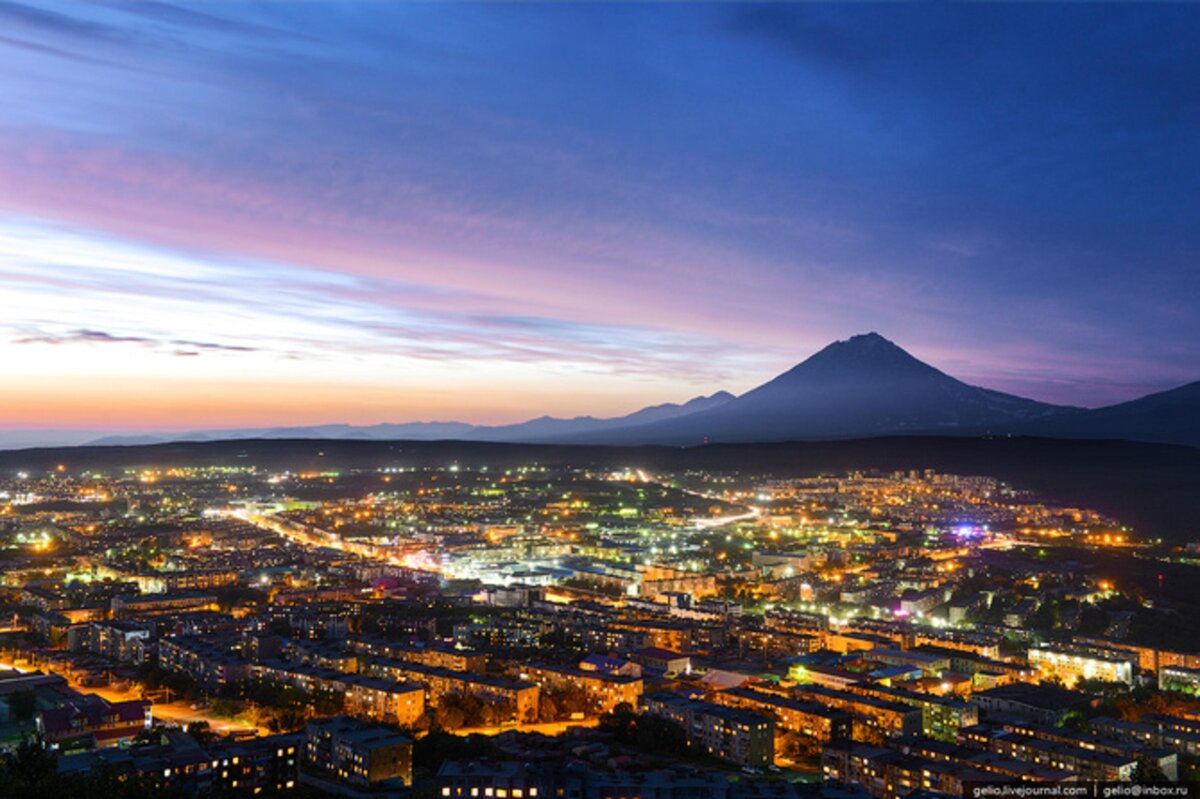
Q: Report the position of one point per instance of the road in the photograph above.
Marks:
(547, 728)
(720, 521)
(315, 537)
(179, 713)
(182, 714)
(706, 522)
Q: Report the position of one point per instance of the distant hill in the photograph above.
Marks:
(415, 431)
(547, 428)
(862, 387)
(1150, 486)
(542, 428)
(1171, 417)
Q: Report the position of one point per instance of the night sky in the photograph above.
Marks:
(230, 214)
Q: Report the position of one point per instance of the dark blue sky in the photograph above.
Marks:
(593, 206)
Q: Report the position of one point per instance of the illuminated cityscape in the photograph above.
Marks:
(603, 400)
(604, 627)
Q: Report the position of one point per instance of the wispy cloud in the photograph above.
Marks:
(411, 189)
(54, 22)
(103, 337)
(83, 337)
(289, 312)
(208, 345)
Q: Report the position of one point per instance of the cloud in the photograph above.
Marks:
(103, 337)
(292, 313)
(477, 185)
(57, 23)
(208, 345)
(182, 17)
(83, 337)
(802, 32)
(57, 52)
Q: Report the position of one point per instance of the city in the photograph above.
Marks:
(465, 628)
(622, 399)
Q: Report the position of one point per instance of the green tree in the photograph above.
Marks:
(1148, 771)
(202, 732)
(22, 704)
(430, 751)
(449, 717)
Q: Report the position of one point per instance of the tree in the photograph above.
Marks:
(1075, 721)
(1148, 771)
(327, 703)
(202, 732)
(547, 709)
(1046, 617)
(23, 769)
(31, 772)
(1109, 692)
(620, 723)
(1189, 768)
(154, 736)
(232, 596)
(430, 751)
(795, 746)
(648, 733)
(22, 704)
(655, 734)
(574, 700)
(227, 708)
(286, 720)
(449, 717)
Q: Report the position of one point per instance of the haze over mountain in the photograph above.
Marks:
(542, 428)
(549, 428)
(862, 387)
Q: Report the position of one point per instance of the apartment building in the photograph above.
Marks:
(357, 752)
(809, 719)
(384, 700)
(886, 718)
(731, 734)
(523, 696)
(604, 691)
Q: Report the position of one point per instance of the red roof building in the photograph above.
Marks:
(90, 715)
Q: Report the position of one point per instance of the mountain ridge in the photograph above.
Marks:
(863, 386)
(432, 430)
(860, 387)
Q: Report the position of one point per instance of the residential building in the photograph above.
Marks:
(727, 733)
(356, 752)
